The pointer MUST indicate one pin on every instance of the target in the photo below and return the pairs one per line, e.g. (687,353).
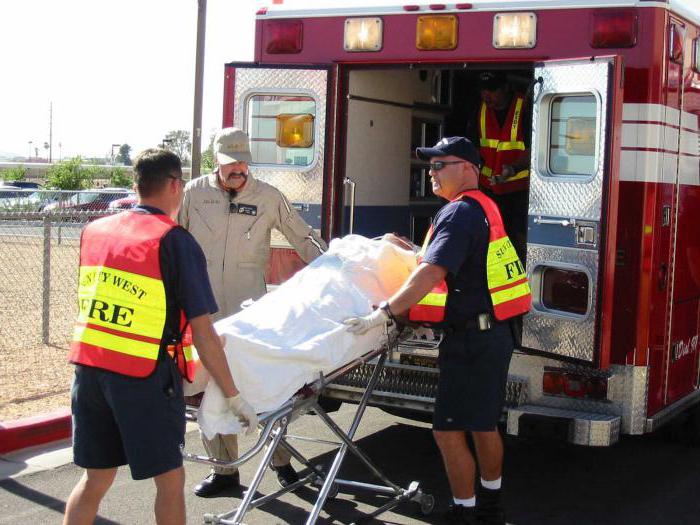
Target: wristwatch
(384,305)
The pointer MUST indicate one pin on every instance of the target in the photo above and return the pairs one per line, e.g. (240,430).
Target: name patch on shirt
(248,209)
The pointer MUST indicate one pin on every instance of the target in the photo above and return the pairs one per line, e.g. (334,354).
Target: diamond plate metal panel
(557,196)
(589,429)
(550,332)
(299,184)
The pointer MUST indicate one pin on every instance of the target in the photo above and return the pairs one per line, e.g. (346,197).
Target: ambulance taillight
(560,382)
(614,29)
(283,37)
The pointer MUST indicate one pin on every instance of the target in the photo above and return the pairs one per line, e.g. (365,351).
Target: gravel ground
(34,376)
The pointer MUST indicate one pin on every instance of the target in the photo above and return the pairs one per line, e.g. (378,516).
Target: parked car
(125,203)
(90,200)
(8,191)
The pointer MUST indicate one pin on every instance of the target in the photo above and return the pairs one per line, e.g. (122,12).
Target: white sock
(491,485)
(471,502)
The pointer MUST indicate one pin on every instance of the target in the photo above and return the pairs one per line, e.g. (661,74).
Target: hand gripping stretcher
(274,425)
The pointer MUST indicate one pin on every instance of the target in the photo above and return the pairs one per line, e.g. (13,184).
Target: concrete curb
(37,430)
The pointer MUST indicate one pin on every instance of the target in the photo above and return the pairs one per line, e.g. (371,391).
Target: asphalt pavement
(651,479)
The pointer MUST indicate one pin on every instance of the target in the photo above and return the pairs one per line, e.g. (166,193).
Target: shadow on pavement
(39,498)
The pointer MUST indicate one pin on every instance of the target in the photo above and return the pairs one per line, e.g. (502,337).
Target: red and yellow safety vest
(122,303)
(502,145)
(505,274)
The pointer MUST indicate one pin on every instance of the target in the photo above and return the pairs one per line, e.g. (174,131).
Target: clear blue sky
(116,71)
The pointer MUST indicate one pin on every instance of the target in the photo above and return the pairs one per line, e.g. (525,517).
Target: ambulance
(338,98)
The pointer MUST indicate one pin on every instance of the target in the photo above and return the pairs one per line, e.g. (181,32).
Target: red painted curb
(36,430)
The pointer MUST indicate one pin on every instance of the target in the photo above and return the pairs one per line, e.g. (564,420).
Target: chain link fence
(40,238)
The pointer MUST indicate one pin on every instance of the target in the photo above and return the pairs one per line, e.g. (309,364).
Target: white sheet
(286,338)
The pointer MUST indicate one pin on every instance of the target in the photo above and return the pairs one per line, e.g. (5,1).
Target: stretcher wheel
(427,504)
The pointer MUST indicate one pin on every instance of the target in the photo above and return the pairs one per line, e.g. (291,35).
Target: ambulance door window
(572,139)
(281,129)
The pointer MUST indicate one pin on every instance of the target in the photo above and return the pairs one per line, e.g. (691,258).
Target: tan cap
(232,145)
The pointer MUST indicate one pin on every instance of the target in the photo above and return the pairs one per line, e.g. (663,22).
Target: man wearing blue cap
(476,351)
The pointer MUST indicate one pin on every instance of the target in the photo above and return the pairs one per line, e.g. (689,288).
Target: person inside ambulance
(232,214)
(471,283)
(501,127)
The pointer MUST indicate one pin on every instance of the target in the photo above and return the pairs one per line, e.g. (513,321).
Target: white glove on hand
(244,412)
(360,325)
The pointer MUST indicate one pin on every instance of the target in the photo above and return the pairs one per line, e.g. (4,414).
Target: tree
(69,175)
(16,173)
(120,179)
(178,141)
(124,157)
(208,163)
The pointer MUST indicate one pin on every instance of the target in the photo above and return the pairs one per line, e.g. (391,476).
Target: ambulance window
(572,138)
(281,129)
(564,290)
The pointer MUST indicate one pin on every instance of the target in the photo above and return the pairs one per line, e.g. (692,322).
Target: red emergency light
(557,382)
(283,37)
(411,7)
(616,28)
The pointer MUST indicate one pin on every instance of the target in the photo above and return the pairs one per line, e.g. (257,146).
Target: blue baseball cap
(458,146)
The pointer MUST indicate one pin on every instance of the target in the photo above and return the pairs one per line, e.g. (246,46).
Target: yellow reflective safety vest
(502,145)
(122,303)
(505,273)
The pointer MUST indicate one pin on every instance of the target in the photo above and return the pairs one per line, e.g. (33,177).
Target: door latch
(585,234)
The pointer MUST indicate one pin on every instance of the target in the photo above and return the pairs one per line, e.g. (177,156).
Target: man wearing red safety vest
(144,298)
(469,282)
(502,128)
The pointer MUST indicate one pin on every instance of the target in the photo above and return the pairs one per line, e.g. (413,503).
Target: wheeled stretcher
(274,424)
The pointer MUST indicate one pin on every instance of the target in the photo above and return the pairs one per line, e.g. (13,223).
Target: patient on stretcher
(291,335)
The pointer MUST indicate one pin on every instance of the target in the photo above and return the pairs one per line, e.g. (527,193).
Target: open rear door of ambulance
(577,111)
(284,109)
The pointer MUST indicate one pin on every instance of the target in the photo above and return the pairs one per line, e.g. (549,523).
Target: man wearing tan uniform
(231,215)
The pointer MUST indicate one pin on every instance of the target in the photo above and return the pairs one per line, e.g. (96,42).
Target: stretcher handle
(262,440)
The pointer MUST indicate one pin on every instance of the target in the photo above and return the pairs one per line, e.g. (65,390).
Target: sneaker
(460,515)
(286,475)
(214,483)
(489,509)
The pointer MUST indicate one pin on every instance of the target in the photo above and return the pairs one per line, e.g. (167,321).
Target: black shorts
(473,375)
(119,420)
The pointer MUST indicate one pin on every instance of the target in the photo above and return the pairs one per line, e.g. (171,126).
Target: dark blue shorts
(473,375)
(119,420)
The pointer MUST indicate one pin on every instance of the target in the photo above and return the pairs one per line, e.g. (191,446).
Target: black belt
(482,322)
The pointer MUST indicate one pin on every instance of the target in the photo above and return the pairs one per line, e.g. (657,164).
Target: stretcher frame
(274,425)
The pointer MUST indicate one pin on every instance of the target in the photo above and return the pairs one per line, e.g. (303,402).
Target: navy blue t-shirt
(459,244)
(184,271)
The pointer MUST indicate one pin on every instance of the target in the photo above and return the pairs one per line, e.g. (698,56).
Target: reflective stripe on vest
(499,146)
(505,274)
(121,297)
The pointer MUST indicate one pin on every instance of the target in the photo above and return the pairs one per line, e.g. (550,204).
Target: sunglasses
(439,164)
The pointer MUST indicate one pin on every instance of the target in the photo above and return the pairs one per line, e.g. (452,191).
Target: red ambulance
(337,99)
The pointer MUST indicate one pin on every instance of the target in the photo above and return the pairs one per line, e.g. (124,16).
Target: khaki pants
(225,448)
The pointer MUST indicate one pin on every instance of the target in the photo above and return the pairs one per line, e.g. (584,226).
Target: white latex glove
(244,412)
(360,325)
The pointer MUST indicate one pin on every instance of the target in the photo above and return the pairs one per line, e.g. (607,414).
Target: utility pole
(50,130)
(198,88)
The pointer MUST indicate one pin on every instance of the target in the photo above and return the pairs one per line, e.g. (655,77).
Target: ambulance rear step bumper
(407,387)
(580,428)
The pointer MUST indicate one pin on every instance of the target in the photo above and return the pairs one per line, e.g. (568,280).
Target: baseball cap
(491,80)
(232,145)
(458,146)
